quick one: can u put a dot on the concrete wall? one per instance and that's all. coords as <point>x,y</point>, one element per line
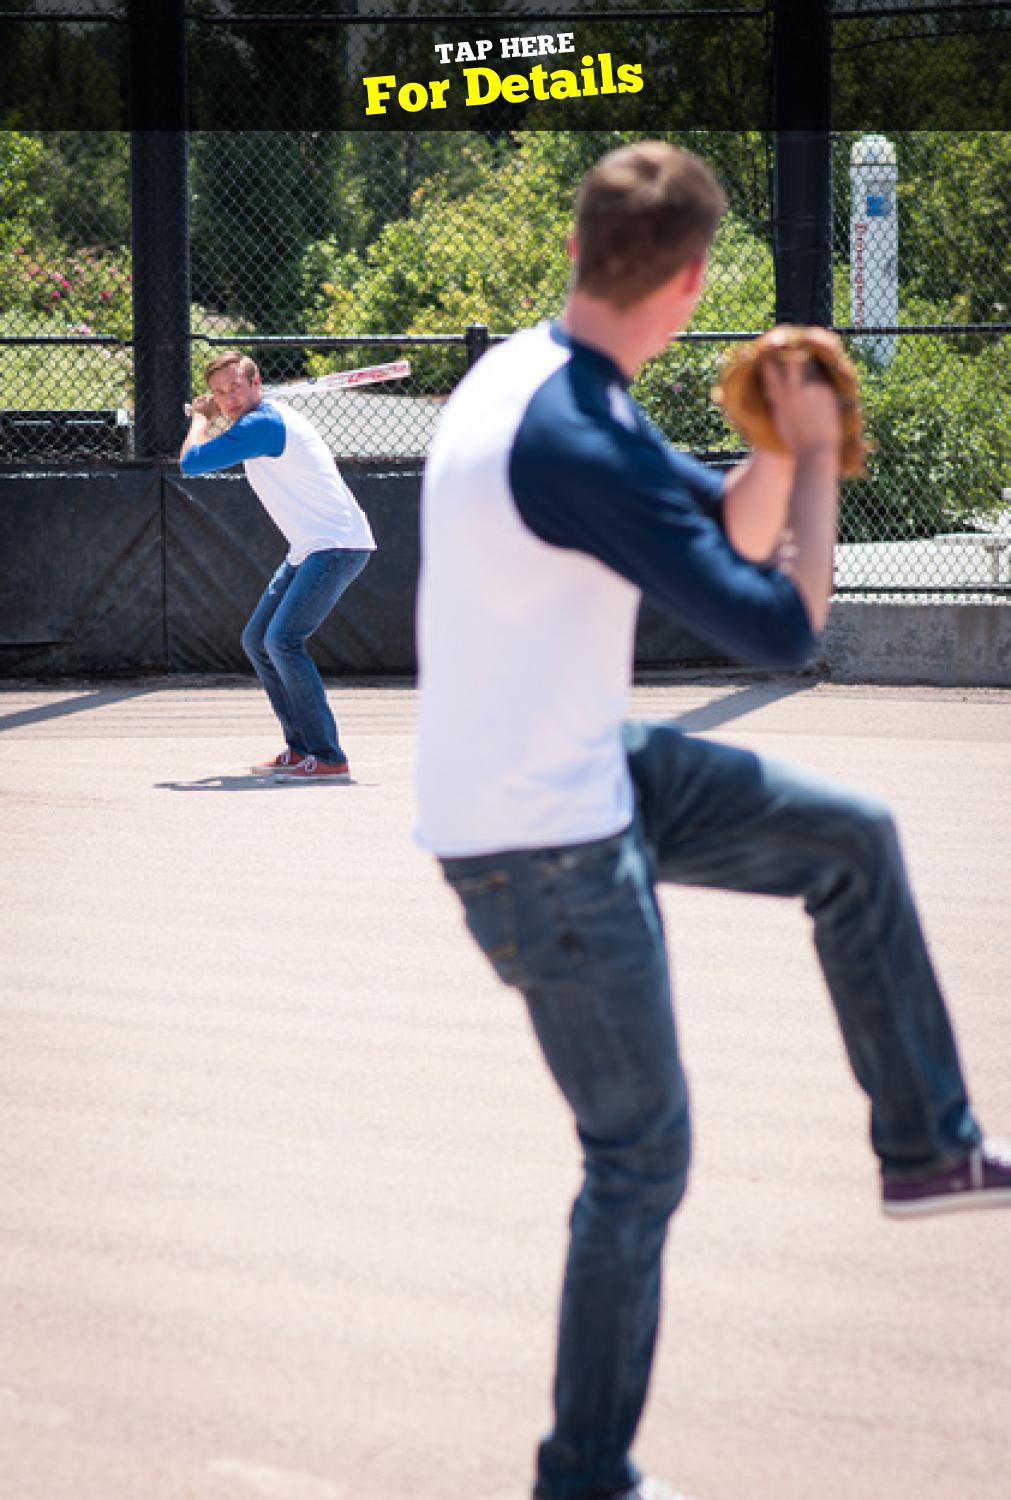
<point>951,645</point>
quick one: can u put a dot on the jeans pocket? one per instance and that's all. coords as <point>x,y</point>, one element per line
<point>490,913</point>
<point>604,910</point>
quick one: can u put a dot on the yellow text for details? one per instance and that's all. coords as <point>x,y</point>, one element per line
<point>597,75</point>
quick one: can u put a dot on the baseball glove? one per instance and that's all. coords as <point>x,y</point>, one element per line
<point>741,391</point>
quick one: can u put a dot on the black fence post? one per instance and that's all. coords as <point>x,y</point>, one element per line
<point>160,225</point>
<point>475,341</point>
<point>802,119</point>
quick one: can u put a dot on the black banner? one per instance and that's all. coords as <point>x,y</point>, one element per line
<point>82,573</point>
<point>117,573</point>
<point>221,549</point>
<point>219,65</point>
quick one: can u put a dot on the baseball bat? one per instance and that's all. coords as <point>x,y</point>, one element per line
<point>338,380</point>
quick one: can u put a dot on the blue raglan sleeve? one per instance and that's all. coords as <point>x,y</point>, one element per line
<point>259,434</point>
<point>622,497</point>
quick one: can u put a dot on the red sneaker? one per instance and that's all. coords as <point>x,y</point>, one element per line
<point>280,762</point>
<point>311,769</point>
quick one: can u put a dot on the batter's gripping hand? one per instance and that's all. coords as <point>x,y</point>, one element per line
<point>741,389</point>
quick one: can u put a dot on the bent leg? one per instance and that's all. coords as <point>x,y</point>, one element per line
<point>317,585</point>
<point>726,818</point>
<point>254,645</point>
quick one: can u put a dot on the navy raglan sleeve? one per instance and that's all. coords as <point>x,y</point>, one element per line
<point>259,434</point>
<point>615,492</point>
<point>705,485</point>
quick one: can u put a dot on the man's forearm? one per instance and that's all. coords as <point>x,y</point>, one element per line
<point>812,516</point>
<point>756,498</point>
<point>197,432</point>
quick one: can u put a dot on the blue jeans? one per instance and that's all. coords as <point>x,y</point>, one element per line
<point>295,603</point>
<point>579,932</point>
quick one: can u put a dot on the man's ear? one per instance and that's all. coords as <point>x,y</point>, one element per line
<point>572,247</point>
<point>695,275</point>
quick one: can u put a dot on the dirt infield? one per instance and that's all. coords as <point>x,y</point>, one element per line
<point>285,1186</point>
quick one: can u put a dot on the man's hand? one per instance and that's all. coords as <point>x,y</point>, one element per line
<point>205,406</point>
<point>805,407</point>
<point>777,391</point>
<point>203,411</point>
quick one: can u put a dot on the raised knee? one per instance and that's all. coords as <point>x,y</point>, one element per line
<point>863,850</point>
<point>874,829</point>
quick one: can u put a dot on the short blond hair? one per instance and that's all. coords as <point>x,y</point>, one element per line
<point>246,366</point>
<point>642,213</point>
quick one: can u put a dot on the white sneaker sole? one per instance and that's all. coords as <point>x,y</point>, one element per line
<point>338,777</point>
<point>949,1203</point>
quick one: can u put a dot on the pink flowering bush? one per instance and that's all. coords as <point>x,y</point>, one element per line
<point>89,290</point>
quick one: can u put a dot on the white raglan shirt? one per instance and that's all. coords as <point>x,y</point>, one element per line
<point>293,474</point>
<point>549,502</point>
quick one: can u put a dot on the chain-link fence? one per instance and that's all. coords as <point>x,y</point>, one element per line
<point>325,249</point>
<point>66,320</point>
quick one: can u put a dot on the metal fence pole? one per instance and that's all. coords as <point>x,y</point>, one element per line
<point>160,227</point>
<point>802,117</point>
<point>475,342</point>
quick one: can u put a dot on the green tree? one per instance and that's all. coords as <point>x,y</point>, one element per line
<point>954,200</point>
<point>485,244</point>
<point>88,187</point>
<point>22,189</point>
<point>55,75</point>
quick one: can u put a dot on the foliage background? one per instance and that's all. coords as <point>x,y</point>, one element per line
<point>333,234</point>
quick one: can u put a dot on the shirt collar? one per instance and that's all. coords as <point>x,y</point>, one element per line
<point>607,366</point>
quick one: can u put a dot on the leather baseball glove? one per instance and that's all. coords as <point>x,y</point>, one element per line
<point>741,390</point>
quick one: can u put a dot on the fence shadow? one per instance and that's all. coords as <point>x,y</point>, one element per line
<point>247,783</point>
<point>735,705</point>
<point>82,703</point>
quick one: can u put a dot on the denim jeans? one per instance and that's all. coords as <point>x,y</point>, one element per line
<point>578,931</point>
<point>295,603</point>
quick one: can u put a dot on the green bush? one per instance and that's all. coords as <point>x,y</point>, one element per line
<point>493,254</point>
<point>739,297</point>
<point>938,419</point>
<point>22,159</point>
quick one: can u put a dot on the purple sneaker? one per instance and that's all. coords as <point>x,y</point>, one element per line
<point>983,1180</point>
